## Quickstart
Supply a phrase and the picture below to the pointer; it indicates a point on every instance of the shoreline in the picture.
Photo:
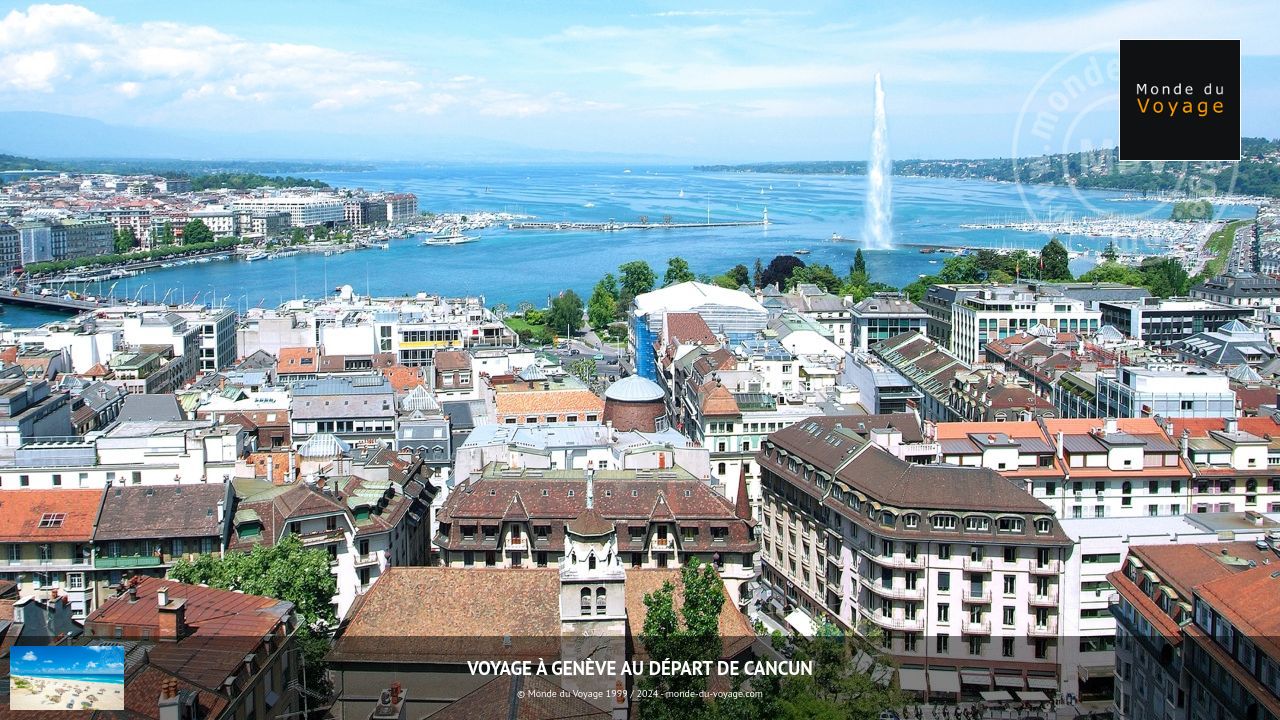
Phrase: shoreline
(49, 693)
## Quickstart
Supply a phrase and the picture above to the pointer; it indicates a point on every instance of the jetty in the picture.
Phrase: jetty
(53, 302)
(614, 226)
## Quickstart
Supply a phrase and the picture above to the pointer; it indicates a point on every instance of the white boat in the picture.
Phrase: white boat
(589, 205)
(452, 238)
(802, 252)
(836, 237)
(255, 255)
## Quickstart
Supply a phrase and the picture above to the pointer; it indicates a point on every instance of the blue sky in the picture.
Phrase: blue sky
(687, 80)
(69, 659)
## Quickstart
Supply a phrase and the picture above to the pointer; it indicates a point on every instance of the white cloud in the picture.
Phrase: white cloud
(129, 89)
(90, 665)
(115, 665)
(29, 656)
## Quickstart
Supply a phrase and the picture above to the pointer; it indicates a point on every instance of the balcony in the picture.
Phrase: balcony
(1048, 628)
(663, 544)
(517, 543)
(1043, 600)
(982, 627)
(63, 563)
(895, 593)
(368, 559)
(323, 537)
(972, 565)
(1052, 567)
(976, 596)
(897, 623)
(128, 561)
(893, 561)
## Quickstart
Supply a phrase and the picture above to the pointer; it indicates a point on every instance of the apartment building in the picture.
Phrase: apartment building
(1255, 291)
(304, 210)
(30, 410)
(365, 523)
(996, 312)
(1195, 629)
(957, 568)
(517, 517)
(1163, 321)
(882, 316)
(10, 248)
(352, 408)
(401, 207)
(815, 304)
(48, 543)
(205, 653)
(723, 311)
(1235, 463)
(930, 368)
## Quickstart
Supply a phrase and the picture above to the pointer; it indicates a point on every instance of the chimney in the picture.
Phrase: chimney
(1232, 424)
(591, 486)
(133, 595)
(1185, 443)
(391, 704)
(173, 620)
(1110, 426)
(1058, 450)
(162, 595)
(222, 510)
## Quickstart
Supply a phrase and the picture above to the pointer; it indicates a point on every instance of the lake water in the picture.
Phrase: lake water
(515, 265)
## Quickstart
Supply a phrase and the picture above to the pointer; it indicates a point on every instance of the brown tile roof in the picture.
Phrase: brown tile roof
(298, 360)
(451, 615)
(588, 523)
(22, 512)
(717, 400)
(1200, 427)
(1183, 566)
(279, 467)
(452, 360)
(142, 690)
(1248, 600)
(549, 402)
(163, 511)
(402, 378)
(519, 697)
(224, 626)
(455, 614)
(687, 328)
(98, 371)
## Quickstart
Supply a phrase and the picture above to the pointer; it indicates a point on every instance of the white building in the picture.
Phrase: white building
(1164, 390)
(997, 312)
(304, 210)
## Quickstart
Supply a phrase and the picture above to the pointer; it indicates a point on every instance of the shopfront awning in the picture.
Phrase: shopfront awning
(944, 681)
(911, 679)
(1042, 683)
(801, 623)
(996, 696)
(975, 677)
(1033, 696)
(1088, 672)
(1013, 681)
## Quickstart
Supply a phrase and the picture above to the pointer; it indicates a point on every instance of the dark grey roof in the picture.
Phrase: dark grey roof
(160, 512)
(150, 408)
(459, 413)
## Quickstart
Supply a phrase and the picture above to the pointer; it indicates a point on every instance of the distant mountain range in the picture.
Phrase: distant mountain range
(52, 136)
(1258, 170)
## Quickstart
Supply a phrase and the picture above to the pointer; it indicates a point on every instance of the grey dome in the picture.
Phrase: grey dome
(634, 389)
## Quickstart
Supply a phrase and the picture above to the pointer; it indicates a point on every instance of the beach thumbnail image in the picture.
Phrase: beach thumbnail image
(87, 677)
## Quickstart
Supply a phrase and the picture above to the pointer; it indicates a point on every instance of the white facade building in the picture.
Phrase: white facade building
(304, 210)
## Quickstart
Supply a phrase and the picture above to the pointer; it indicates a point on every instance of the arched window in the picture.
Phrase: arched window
(591, 561)
(1126, 488)
(600, 601)
(1251, 485)
(586, 601)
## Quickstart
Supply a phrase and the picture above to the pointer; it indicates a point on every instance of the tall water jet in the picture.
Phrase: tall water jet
(877, 234)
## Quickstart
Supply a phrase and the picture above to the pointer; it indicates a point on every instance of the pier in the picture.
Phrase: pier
(612, 226)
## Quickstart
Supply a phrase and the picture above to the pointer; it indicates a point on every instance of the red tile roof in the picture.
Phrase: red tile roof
(452, 360)
(403, 378)
(298, 360)
(684, 328)
(1200, 427)
(63, 515)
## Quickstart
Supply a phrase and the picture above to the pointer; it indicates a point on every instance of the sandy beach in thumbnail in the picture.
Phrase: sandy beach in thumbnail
(41, 693)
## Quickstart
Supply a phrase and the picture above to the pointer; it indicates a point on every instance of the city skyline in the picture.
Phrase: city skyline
(711, 82)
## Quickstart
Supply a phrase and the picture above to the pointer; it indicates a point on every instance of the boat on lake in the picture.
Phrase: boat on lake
(255, 255)
(453, 237)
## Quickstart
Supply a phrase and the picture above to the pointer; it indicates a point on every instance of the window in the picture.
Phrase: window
(1008, 617)
(24, 481)
(944, 581)
(52, 520)
(1006, 647)
(601, 602)
(1010, 554)
(585, 602)
(941, 644)
(57, 479)
(1010, 584)
(944, 551)
(1011, 525)
(944, 613)
(490, 558)
(1043, 526)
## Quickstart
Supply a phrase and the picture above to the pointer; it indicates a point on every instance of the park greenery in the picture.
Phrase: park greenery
(288, 571)
(158, 253)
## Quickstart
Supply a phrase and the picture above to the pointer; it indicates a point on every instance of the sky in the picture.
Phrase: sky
(683, 80)
(67, 659)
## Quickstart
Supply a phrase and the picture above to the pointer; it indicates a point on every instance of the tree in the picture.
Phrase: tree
(859, 262)
(602, 308)
(196, 232)
(125, 241)
(677, 272)
(286, 571)
(584, 368)
(523, 308)
(739, 275)
(837, 688)
(1165, 277)
(1110, 254)
(565, 313)
(297, 236)
(501, 310)
(757, 274)
(821, 275)
(637, 278)
(696, 639)
(1054, 261)
(779, 271)
(1113, 272)
(166, 235)
(321, 232)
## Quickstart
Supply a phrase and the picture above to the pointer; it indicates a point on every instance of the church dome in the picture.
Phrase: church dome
(634, 389)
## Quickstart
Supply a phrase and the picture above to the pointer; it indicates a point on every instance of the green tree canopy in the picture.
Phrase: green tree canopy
(1054, 261)
(637, 278)
(665, 637)
(602, 308)
(779, 271)
(821, 275)
(859, 262)
(125, 241)
(677, 272)
(565, 313)
(196, 232)
(739, 275)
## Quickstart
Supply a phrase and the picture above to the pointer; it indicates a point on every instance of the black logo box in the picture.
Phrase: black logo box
(1185, 67)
